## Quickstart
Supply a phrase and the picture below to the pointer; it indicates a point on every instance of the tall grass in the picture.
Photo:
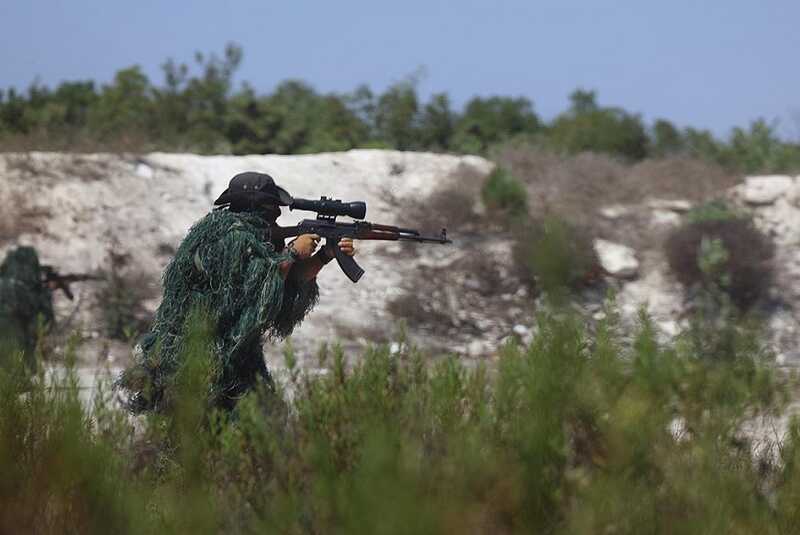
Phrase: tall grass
(578, 432)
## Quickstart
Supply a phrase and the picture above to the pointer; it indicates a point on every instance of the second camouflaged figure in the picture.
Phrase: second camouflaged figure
(26, 303)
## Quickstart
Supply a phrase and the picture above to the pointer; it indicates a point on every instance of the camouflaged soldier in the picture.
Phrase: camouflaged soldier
(26, 303)
(249, 284)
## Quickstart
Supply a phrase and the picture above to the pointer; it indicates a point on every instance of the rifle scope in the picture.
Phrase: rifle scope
(331, 207)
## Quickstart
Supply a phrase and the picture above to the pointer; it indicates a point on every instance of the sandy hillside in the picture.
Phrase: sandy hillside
(83, 211)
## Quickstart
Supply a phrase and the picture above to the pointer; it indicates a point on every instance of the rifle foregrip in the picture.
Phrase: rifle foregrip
(347, 264)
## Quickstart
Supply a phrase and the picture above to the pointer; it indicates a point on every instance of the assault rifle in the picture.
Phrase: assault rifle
(56, 281)
(326, 226)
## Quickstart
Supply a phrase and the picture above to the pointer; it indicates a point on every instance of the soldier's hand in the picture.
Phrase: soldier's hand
(345, 244)
(347, 247)
(305, 244)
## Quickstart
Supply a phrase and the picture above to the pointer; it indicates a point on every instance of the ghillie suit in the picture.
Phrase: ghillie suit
(227, 267)
(26, 303)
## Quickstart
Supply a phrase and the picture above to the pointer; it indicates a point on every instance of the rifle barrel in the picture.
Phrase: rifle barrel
(391, 228)
(431, 239)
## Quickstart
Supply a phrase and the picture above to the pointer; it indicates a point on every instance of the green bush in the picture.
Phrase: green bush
(587, 127)
(759, 149)
(718, 249)
(487, 121)
(121, 298)
(552, 255)
(505, 193)
(576, 433)
(717, 210)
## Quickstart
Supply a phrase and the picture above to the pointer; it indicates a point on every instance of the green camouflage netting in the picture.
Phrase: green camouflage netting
(24, 302)
(228, 268)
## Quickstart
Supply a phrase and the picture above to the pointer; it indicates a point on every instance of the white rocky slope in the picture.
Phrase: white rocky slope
(75, 208)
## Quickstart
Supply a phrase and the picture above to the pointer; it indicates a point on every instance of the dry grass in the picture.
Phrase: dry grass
(420, 311)
(26, 165)
(121, 296)
(84, 168)
(680, 178)
(76, 142)
(452, 205)
(460, 297)
(19, 215)
(577, 187)
(586, 182)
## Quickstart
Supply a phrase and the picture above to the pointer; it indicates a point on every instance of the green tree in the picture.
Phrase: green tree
(760, 149)
(396, 116)
(286, 117)
(124, 107)
(192, 109)
(294, 119)
(437, 123)
(584, 101)
(12, 112)
(588, 127)
(361, 102)
(701, 144)
(244, 131)
(337, 127)
(171, 104)
(491, 120)
(666, 139)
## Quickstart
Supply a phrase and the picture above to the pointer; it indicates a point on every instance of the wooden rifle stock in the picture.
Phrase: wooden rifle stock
(334, 231)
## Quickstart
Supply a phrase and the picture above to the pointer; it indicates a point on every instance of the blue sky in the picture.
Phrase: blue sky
(712, 63)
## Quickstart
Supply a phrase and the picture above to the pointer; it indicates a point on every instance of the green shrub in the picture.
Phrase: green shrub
(759, 149)
(717, 249)
(713, 211)
(551, 254)
(505, 193)
(587, 127)
(487, 121)
(121, 297)
(575, 433)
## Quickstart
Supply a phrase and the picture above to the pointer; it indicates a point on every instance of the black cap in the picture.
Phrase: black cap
(252, 190)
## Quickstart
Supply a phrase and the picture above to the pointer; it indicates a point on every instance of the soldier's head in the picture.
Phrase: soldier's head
(22, 264)
(254, 192)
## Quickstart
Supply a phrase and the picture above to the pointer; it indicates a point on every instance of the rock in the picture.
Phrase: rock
(514, 311)
(472, 284)
(679, 430)
(670, 205)
(615, 211)
(393, 248)
(475, 348)
(617, 260)
(670, 328)
(520, 330)
(484, 324)
(144, 171)
(760, 190)
(665, 218)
